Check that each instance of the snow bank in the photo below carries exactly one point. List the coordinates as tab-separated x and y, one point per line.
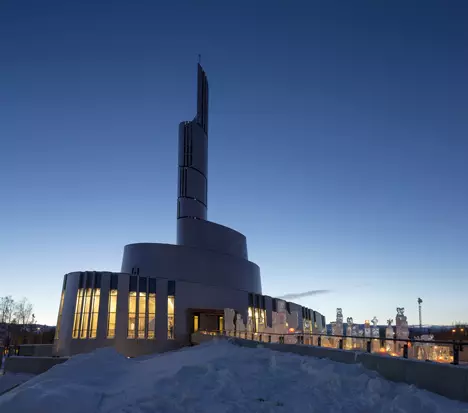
216	377
9	380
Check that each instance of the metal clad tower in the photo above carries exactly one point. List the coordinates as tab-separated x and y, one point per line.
193	158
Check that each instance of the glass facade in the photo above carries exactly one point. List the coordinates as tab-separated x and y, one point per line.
132	302
250	320
141	315
170	317
111	315
96	297
142	308
170	310
151	314
86	313
77	317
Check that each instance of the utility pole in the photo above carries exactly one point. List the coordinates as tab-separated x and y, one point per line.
420	316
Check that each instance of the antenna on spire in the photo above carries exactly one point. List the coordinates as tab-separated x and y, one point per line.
199	59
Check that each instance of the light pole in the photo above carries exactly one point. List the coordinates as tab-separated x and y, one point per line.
420	316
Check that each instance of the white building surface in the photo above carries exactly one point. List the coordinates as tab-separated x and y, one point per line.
166	292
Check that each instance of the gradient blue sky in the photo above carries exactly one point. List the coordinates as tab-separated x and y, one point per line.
338	143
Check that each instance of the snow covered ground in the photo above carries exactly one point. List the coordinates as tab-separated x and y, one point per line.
216	377
8	381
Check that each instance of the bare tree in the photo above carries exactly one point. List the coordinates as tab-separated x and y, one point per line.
7	309
24	312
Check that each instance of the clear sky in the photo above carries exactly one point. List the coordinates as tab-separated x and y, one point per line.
338	143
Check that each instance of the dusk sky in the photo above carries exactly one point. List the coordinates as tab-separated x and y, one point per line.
338	143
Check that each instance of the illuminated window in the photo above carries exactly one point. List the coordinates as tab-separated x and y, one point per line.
151	314
170	309
88	293
196	323
142	308
250	319
111	315
132	300
86	313
257	319
170	317
94	313
141	314
77	318
151	321
85	319
221	323
59	319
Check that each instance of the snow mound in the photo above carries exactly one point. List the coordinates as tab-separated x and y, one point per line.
216	377
10	380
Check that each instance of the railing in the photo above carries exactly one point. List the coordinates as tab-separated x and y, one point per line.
9	351
436	351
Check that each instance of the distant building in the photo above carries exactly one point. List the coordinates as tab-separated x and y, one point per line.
166	292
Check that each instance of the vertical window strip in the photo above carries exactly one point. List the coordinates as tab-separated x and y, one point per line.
151	315
257	319
185	144
111	318
78	308
250	318
190	147
59	318
85	313
170	317
132	302
180	181
141	315
95	313
142	308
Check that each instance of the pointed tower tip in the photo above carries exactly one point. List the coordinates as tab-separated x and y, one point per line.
202	97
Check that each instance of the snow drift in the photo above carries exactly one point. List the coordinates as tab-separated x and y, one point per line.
216	377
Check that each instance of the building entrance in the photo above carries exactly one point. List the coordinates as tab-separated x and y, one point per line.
206	320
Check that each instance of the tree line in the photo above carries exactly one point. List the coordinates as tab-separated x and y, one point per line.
18	324
16	312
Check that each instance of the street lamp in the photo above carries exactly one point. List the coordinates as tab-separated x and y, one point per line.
420	316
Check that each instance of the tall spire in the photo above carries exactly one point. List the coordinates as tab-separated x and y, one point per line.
202	99
192	197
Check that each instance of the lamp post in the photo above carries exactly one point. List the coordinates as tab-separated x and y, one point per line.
420	316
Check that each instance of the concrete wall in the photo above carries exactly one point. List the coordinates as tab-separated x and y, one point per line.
211	236
32	365
36	350
180	263
444	379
